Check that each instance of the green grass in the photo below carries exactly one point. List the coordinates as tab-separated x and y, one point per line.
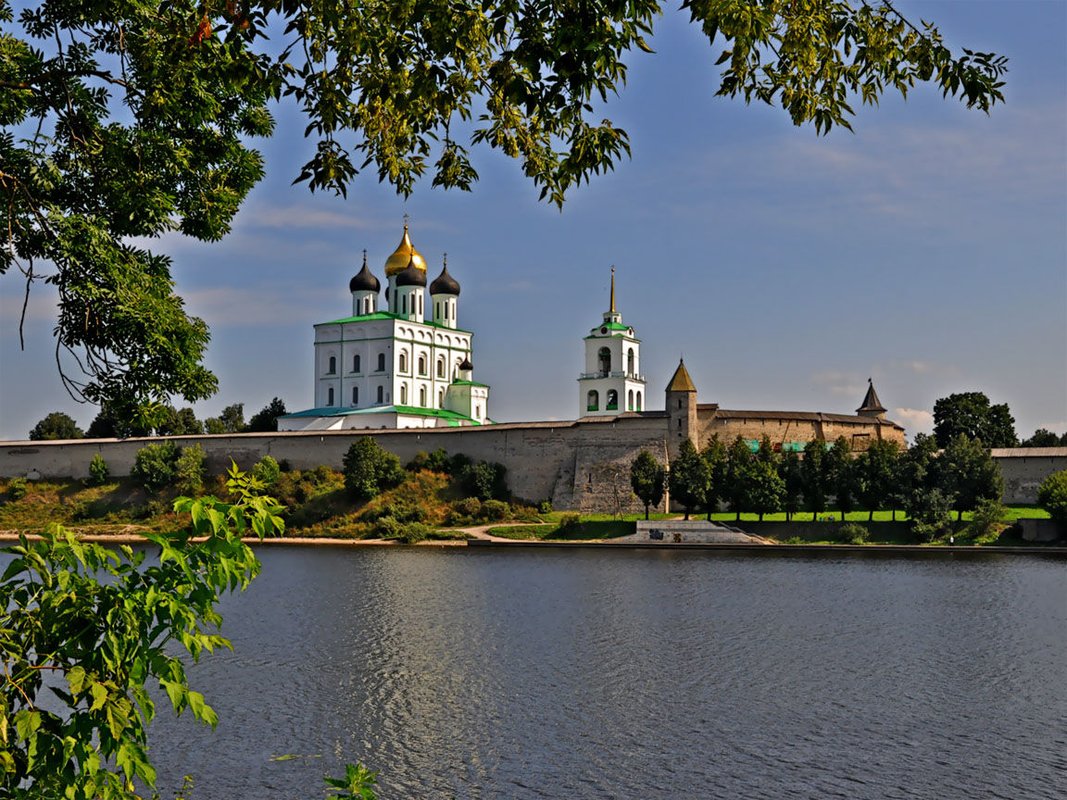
588	530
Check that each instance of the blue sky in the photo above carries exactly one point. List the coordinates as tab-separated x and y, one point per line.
928	250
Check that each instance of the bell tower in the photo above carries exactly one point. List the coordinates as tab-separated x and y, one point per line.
611	383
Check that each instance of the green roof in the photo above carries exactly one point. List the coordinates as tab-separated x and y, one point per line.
470	383
611	326
452	417
382	315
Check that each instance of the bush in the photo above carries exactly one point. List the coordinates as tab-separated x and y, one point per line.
570	523
267	471
495	510
369	469
485	480
156	465
988	519
189	471
853	533
17	489
98	471
931	513
437	461
545	507
1052	495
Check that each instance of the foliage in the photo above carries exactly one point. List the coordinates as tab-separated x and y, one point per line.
98	471
56	425
988	519
813	477
717	458
110	423
876	472
853	533
368	468
300	486
689	478
17	488
970	414
155	465
841	474
173	422
483	479
84	630
648	479
267	471
357	784
1045	438
189	471
967	473
764	488
138	117
789	470
495	510
569	523
545	507
931	515
1052	495
266	419
738	466
437	461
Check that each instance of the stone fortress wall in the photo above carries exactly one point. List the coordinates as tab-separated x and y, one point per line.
581	465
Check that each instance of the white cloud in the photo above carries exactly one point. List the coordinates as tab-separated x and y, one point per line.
916	420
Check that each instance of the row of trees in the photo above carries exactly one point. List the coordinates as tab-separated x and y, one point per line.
923	480
170	421
974	416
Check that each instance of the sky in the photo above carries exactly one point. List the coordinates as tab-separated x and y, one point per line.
927	250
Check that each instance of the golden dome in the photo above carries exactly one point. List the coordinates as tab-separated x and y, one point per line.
405	252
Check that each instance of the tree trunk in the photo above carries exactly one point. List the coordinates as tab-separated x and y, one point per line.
870	517
646	512
687	515
761	516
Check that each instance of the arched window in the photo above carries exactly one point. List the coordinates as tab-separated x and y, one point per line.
381	364
613	400
441	399
403	394
355	363
592	402
381	394
422	365
420	303
355	395
437	311
630	361
477	412
403	361
333	366
441	367
630	396
422	397
638	401
329	396
404	302
604	360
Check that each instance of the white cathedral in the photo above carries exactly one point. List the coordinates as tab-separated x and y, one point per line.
395	368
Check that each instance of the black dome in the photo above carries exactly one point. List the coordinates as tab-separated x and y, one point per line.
364	281
466	365
444	284
411	275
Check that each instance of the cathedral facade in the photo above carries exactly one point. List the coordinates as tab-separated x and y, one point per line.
405	365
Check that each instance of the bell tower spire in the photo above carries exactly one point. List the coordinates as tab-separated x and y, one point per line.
612	288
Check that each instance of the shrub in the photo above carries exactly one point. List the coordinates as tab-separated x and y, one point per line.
414	532
386	528
545	507
931	513
155	465
485	480
17	489
495	510
570	523
369	469
267	471
853	533
98	471
437	461
988	518
1052	495
189	471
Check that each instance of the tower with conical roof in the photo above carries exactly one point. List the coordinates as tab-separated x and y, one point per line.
681	403
611	383
871	405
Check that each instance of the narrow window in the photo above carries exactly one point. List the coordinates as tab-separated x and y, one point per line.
613	400
403	362
477	412
679	402
638	401
381	362
422	365
333	365
403	394
604	358
441	399
329	396
592	402
420	303
437	311
630	361
630	397
447	304
679	424
440	368
422	397
355	363
381	391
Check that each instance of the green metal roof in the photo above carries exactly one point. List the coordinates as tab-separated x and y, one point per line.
470	383
383	315
451	417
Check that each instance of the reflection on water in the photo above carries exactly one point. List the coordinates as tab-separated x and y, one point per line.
622	674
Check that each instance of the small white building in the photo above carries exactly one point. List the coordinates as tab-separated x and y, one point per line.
612	382
408	366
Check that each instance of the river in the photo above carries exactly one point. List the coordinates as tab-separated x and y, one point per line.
597	673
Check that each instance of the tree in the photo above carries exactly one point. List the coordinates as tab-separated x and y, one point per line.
876	471
56	425
791	473
110	424
967	474
917	475
739	459
841	475
369	469
266	419
156	465
139	119
647	478
84	630
179	423
813	476
1052	495
231	420
1045	438
764	488
970	414
689	478
717	458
